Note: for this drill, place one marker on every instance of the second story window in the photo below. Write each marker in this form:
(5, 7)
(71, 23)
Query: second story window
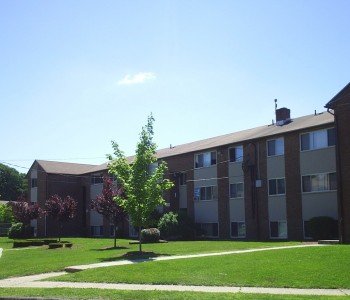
(275, 147)
(205, 159)
(236, 190)
(319, 182)
(277, 186)
(206, 193)
(34, 182)
(236, 154)
(317, 139)
(96, 179)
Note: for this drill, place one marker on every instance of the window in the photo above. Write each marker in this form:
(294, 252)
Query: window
(236, 190)
(277, 186)
(319, 182)
(236, 154)
(206, 193)
(34, 182)
(275, 147)
(278, 229)
(182, 179)
(208, 229)
(96, 179)
(317, 139)
(206, 159)
(238, 229)
(96, 230)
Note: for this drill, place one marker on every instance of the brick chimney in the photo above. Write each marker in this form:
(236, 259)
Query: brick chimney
(282, 116)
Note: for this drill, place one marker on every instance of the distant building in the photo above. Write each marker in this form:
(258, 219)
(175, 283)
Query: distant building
(261, 183)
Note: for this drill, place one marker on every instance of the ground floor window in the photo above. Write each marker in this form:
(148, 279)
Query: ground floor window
(307, 233)
(97, 230)
(278, 229)
(208, 229)
(238, 229)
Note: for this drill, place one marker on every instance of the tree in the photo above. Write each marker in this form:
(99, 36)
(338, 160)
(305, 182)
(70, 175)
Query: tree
(143, 187)
(24, 212)
(61, 210)
(106, 206)
(12, 183)
(6, 215)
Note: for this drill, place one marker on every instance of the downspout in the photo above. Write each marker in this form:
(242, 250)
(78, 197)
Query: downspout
(339, 182)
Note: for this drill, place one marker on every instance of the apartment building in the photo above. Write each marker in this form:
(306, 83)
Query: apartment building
(257, 184)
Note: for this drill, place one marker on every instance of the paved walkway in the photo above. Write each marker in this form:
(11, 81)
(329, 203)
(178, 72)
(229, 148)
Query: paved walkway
(1, 251)
(129, 262)
(33, 282)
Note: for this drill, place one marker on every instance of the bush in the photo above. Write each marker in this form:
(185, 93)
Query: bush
(68, 245)
(323, 228)
(55, 245)
(168, 225)
(16, 231)
(27, 243)
(49, 241)
(150, 235)
(187, 229)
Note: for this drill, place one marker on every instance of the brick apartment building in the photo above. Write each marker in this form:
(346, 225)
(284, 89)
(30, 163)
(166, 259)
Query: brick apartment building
(257, 184)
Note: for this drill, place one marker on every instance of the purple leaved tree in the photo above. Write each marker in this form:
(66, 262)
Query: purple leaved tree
(107, 206)
(24, 212)
(61, 209)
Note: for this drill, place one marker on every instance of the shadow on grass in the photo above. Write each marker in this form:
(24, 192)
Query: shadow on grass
(111, 248)
(135, 256)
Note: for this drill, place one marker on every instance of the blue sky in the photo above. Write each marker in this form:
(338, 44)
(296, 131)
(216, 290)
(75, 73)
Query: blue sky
(75, 75)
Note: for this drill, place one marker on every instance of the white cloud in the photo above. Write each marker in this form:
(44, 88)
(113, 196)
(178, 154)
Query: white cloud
(136, 78)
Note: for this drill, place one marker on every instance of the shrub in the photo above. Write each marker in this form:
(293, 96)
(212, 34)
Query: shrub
(150, 235)
(168, 225)
(68, 245)
(55, 245)
(49, 241)
(322, 228)
(16, 231)
(27, 243)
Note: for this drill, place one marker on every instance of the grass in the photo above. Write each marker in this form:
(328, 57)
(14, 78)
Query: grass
(313, 267)
(114, 294)
(88, 250)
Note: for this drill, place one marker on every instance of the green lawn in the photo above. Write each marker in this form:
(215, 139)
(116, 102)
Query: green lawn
(89, 250)
(313, 267)
(113, 294)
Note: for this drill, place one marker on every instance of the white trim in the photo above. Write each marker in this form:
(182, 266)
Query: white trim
(313, 192)
(302, 133)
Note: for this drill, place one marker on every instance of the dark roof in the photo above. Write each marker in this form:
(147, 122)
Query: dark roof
(344, 92)
(324, 118)
(56, 167)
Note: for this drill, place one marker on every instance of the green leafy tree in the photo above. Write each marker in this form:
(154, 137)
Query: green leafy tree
(12, 183)
(143, 187)
(6, 215)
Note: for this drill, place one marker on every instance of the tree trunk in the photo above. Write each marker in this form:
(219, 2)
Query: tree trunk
(140, 244)
(115, 235)
(59, 231)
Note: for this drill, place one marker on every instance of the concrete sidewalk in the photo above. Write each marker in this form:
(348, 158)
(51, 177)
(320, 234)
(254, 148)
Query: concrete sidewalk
(160, 258)
(33, 282)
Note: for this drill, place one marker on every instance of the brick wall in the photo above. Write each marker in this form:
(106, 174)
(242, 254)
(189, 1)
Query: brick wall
(293, 186)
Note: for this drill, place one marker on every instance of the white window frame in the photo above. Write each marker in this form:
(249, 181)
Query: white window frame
(245, 231)
(34, 180)
(321, 191)
(229, 190)
(212, 193)
(203, 153)
(93, 177)
(312, 132)
(275, 139)
(279, 237)
(268, 187)
(240, 159)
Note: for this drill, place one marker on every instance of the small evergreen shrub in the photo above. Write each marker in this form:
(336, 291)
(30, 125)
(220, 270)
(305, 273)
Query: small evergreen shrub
(168, 225)
(150, 235)
(55, 245)
(16, 231)
(187, 228)
(49, 241)
(68, 245)
(27, 243)
(323, 228)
